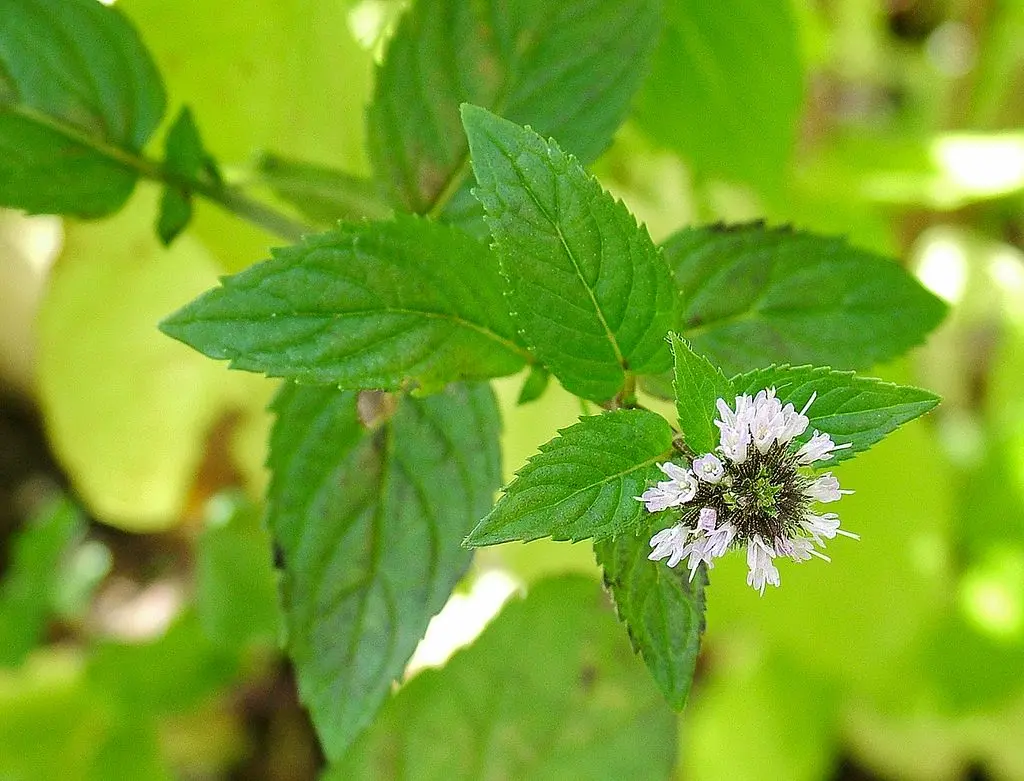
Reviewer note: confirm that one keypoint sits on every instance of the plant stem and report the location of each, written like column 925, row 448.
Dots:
column 229, row 198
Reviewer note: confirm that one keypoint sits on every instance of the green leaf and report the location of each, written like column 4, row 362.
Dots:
column 185, row 160
column 236, row 586
column 55, row 724
column 662, row 609
column 698, row 385
column 172, row 673
column 376, row 305
column 719, row 94
column 369, row 525
column 184, row 154
column 323, row 195
column 568, row 69
column 583, row 482
column 590, row 291
column 79, row 98
column 858, row 410
column 31, row 579
column 549, row 691
column 751, row 295
column 535, row 385
column 175, row 214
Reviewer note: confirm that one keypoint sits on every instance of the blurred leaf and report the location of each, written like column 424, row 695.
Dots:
column 53, row 724
column 549, row 691
column 236, row 586
column 590, row 291
column 751, row 295
column 858, row 410
column 127, row 410
column 771, row 716
column 726, row 87
column 970, row 670
column 698, row 385
column 369, row 525
column 663, row 610
column 567, row 69
column 389, row 305
column 323, row 195
column 239, row 72
column 583, row 483
column 171, row 673
column 79, row 96
column 29, row 588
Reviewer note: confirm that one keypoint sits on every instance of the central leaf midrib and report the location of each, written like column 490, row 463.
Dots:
column 620, row 360
column 508, row 344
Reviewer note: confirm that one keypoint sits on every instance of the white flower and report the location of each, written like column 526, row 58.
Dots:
column 709, row 468
column 734, row 442
column 762, row 497
column 798, row 549
column 720, row 539
column 825, row 489
column 706, row 520
column 679, row 489
column 818, row 448
column 760, row 560
column 670, row 543
column 796, row 422
column 826, row 525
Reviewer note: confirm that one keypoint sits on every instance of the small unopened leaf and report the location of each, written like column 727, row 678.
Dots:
column 550, row 691
column 185, row 160
column 375, row 305
column 663, row 610
column 77, row 91
column 591, row 293
column 751, row 295
column 175, row 214
column 567, row 68
column 698, row 385
column 369, row 525
column 536, row 383
column 858, row 410
column 583, row 482
column 184, row 154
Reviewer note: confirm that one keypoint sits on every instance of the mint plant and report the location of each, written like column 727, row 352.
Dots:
column 488, row 250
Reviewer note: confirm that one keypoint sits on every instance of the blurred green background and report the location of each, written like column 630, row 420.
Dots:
column 137, row 618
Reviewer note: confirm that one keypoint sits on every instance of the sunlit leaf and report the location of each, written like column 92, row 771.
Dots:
column 590, row 292
column 389, row 305
column 582, row 483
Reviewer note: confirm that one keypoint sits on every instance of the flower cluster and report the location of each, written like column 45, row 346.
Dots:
column 756, row 491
